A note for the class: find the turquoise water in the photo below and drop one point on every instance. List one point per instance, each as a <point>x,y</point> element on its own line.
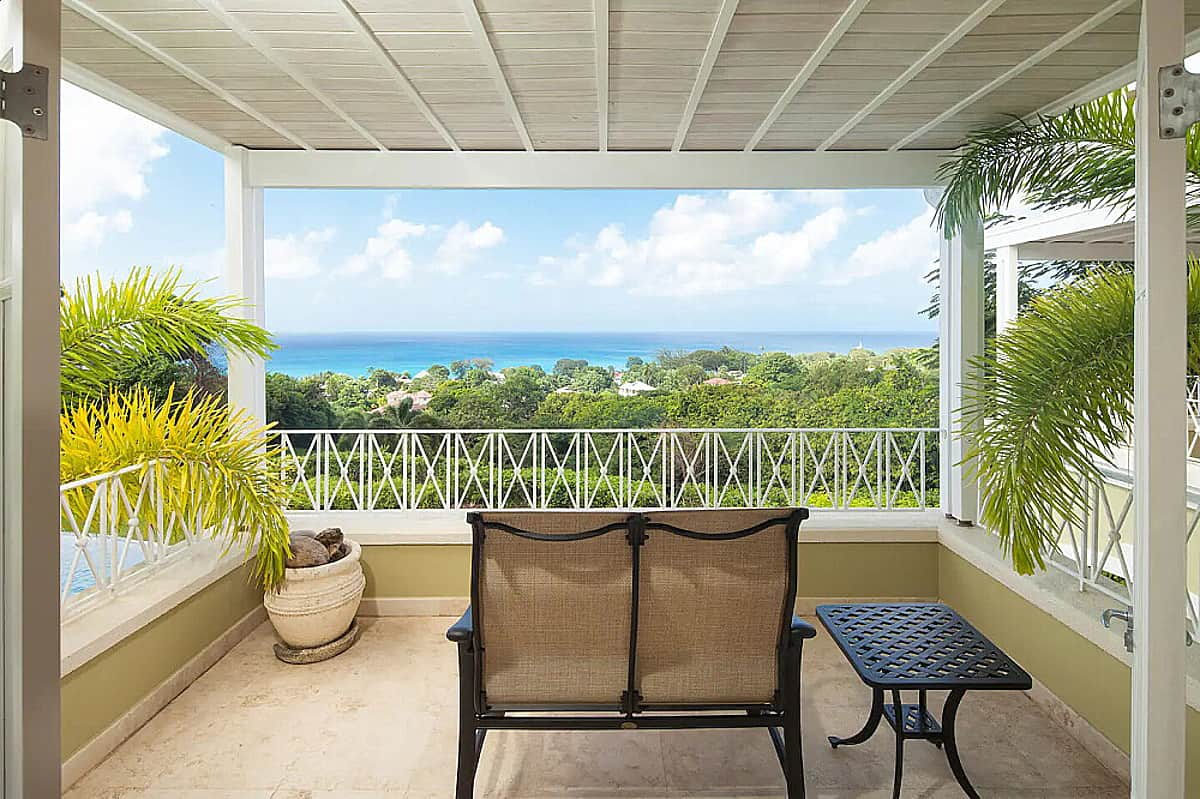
<point>354,353</point>
<point>83,578</point>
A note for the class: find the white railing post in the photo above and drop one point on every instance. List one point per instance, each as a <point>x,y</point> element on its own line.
<point>245,276</point>
<point>1157,753</point>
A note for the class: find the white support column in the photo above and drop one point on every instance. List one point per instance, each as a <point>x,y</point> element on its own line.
<point>245,276</point>
<point>1006,287</point>
<point>961,341</point>
<point>29,287</point>
<point>1157,753</point>
<point>946,343</point>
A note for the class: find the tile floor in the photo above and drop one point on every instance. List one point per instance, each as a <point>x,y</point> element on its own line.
<point>379,721</point>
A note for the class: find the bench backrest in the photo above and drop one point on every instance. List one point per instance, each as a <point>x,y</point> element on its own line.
<point>556,595</point>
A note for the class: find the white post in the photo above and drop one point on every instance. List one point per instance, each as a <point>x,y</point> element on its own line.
<point>1157,753</point>
<point>1006,287</point>
<point>961,341</point>
<point>245,276</point>
<point>29,287</point>
<point>946,344</point>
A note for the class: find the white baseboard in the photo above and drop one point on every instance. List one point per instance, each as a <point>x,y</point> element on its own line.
<point>413,606</point>
<point>95,750</point>
<point>1079,728</point>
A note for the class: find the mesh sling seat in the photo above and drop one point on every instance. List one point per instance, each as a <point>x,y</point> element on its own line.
<point>669,620</point>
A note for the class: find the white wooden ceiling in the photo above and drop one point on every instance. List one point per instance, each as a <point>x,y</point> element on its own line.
<point>721,75</point>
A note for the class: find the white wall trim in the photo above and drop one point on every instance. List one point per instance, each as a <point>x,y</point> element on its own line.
<point>103,744</point>
<point>389,528</point>
<point>100,628</point>
<point>1054,593</point>
<point>436,169</point>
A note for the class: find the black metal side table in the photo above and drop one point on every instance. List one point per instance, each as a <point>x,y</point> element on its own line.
<point>921,646</point>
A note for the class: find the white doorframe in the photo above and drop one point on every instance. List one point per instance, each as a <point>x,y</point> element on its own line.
<point>1157,755</point>
<point>29,431</point>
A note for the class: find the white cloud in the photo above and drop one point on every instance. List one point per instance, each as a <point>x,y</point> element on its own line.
<point>910,247</point>
<point>296,255</point>
<point>389,251</point>
<point>107,152</point>
<point>701,244</point>
<point>463,244</point>
<point>88,230</point>
<point>385,250</point>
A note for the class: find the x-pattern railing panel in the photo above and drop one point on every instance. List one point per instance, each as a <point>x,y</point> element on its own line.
<point>369,470</point>
<point>1093,547</point>
<point>118,528</point>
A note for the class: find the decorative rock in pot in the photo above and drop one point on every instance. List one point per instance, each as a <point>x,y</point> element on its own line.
<point>314,610</point>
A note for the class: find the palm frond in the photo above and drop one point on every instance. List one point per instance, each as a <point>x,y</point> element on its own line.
<point>1053,400</point>
<point>1084,156</point>
<point>214,468</point>
<point>109,327</point>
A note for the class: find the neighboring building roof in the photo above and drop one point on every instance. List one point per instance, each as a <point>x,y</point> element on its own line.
<point>420,399</point>
<point>718,381</point>
<point>565,390</point>
<point>636,387</point>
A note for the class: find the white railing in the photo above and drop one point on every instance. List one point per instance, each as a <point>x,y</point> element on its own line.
<point>1093,547</point>
<point>1193,415</point>
<point>371,470</point>
<point>116,530</point>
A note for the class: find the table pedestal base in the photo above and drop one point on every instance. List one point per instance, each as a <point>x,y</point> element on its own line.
<point>914,722</point>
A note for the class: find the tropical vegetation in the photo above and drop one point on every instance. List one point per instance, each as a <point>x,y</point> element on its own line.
<point>126,344</point>
<point>1053,397</point>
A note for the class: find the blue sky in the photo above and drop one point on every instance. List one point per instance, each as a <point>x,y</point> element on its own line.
<point>426,260</point>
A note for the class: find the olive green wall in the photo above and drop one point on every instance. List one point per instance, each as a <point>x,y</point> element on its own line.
<point>825,570</point>
<point>1094,683</point>
<point>105,688</point>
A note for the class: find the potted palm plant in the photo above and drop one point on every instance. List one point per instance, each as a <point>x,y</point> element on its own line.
<point>219,467</point>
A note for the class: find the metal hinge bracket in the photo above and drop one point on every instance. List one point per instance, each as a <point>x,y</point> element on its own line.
<point>24,100</point>
<point>1178,101</point>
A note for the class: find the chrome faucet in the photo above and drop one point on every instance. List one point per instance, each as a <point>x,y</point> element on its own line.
<point>1124,615</point>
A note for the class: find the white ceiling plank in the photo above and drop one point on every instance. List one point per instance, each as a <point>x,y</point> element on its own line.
<point>1101,86</point>
<point>164,58</point>
<point>949,40</point>
<point>711,51</point>
<point>810,66</point>
<point>385,59</point>
<point>140,105</point>
<point>258,43</point>
<point>600,23</point>
<point>1088,25</point>
<point>610,170</point>
<point>484,42</point>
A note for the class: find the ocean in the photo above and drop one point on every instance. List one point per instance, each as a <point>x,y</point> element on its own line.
<point>303,354</point>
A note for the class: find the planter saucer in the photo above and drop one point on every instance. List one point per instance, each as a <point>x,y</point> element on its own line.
<point>316,654</point>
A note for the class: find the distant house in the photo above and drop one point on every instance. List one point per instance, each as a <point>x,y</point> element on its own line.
<point>718,381</point>
<point>565,390</point>
<point>634,388</point>
<point>420,399</point>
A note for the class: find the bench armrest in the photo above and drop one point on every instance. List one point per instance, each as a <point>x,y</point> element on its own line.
<point>462,630</point>
<point>802,629</point>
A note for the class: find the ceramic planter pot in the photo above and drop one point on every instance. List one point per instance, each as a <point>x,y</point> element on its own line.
<point>317,605</point>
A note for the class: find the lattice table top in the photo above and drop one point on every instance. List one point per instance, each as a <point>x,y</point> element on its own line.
<point>919,645</point>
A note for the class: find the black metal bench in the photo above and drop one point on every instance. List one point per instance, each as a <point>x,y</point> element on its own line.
<point>670,621</point>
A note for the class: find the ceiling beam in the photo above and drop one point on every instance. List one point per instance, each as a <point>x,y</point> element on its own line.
<point>266,51</point>
<point>388,63</point>
<point>1093,22</point>
<point>600,26</point>
<point>814,61</point>
<point>1122,76</point>
<point>949,40</point>
<point>167,60</point>
<point>593,170</point>
<point>103,87</point>
<point>715,40</point>
<point>489,55</point>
